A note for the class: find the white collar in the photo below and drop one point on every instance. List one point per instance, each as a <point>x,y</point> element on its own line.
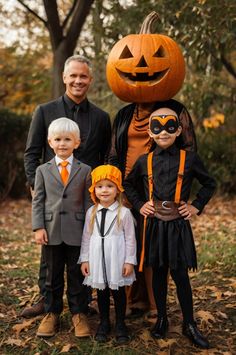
<point>59,160</point>
<point>111,207</point>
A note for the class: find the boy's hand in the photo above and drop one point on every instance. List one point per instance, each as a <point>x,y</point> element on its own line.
<point>41,236</point>
<point>187,211</point>
<point>127,269</point>
<point>85,268</point>
<point>147,209</point>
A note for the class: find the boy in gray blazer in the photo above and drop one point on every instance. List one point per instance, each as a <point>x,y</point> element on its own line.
<point>58,212</point>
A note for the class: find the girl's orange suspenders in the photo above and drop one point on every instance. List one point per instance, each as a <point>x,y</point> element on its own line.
<point>150,188</point>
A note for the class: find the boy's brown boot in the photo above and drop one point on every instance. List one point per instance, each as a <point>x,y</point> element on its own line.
<point>80,323</point>
<point>48,325</point>
<point>35,310</point>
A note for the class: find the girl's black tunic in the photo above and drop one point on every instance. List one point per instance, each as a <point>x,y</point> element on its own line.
<point>169,242</point>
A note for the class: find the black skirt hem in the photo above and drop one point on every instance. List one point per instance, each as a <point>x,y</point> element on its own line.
<point>170,243</point>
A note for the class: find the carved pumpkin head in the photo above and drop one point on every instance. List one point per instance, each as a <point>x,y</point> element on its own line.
<point>145,67</point>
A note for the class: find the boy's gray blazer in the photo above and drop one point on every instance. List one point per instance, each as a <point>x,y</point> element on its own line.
<point>61,209</point>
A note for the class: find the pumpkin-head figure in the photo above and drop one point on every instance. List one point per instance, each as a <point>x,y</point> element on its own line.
<point>145,67</point>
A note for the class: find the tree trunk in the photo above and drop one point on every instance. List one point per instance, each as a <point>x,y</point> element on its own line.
<point>98,65</point>
<point>59,57</point>
<point>66,44</point>
<point>63,34</point>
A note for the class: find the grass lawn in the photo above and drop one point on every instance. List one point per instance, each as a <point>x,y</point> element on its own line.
<point>214,291</point>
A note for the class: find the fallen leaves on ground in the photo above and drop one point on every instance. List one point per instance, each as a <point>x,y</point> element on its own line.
<point>214,291</point>
<point>25,325</point>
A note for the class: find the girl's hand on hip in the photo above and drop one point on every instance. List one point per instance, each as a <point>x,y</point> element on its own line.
<point>187,211</point>
<point>147,209</point>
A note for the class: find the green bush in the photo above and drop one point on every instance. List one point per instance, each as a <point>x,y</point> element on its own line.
<point>217,148</point>
<point>13,134</point>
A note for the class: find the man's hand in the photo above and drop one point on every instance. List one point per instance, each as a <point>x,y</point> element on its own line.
<point>147,209</point>
<point>127,269</point>
<point>85,268</point>
<point>187,211</point>
<point>41,236</point>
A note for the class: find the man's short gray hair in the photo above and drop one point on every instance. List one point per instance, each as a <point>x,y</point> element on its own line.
<point>80,59</point>
<point>63,125</point>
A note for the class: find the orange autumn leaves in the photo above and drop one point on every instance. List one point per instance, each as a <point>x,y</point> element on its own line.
<point>214,121</point>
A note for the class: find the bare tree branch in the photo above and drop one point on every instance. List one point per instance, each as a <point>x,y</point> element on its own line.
<point>69,14</point>
<point>229,67</point>
<point>54,26</point>
<point>81,11</point>
<point>63,35</point>
<point>33,13</point>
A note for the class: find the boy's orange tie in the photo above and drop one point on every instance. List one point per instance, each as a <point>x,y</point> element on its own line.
<point>64,172</point>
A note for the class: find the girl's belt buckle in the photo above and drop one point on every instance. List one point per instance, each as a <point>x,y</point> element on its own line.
<point>163,205</point>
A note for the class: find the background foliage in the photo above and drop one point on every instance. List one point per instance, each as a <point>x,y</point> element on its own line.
<point>13,133</point>
<point>205,30</point>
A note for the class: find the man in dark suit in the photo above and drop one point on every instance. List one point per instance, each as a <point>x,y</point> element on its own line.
<point>95,128</point>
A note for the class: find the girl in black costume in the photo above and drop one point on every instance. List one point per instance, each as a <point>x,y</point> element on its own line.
<point>159,187</point>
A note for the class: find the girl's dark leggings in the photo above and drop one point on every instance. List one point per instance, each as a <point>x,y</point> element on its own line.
<point>184,291</point>
<point>103,298</point>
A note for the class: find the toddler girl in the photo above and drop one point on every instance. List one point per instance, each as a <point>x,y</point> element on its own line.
<point>108,250</point>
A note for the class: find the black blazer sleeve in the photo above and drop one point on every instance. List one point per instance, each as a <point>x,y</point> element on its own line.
<point>34,145</point>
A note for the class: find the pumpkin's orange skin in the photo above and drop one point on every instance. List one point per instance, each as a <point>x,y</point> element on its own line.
<point>156,61</point>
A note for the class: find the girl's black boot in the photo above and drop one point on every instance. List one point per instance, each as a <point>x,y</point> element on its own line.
<point>160,328</point>
<point>191,331</point>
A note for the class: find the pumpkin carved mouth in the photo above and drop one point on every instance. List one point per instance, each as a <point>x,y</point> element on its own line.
<point>142,77</point>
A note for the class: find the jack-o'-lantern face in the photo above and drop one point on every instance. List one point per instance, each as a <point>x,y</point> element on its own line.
<point>145,68</point>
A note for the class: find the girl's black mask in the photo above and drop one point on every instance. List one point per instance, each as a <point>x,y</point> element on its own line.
<point>168,123</point>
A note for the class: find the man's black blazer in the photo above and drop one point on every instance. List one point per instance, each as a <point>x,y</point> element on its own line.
<point>38,150</point>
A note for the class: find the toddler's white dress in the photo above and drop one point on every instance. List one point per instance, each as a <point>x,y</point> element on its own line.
<point>119,247</point>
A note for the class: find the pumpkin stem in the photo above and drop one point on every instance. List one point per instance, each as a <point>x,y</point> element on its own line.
<point>148,22</point>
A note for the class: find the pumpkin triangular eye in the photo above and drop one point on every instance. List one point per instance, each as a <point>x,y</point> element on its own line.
<point>126,53</point>
<point>160,52</point>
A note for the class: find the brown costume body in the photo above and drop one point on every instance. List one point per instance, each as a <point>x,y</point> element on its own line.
<point>140,294</point>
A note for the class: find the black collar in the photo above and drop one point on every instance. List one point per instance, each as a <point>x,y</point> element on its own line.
<point>83,105</point>
<point>172,150</point>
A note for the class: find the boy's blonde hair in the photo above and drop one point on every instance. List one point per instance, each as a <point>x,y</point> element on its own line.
<point>63,125</point>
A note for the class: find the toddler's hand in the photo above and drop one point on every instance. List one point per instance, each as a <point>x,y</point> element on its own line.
<point>147,209</point>
<point>127,269</point>
<point>85,268</point>
<point>187,211</point>
<point>41,236</point>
